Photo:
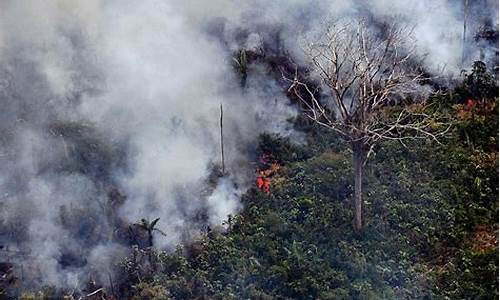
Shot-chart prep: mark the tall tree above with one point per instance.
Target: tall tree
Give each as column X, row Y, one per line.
column 367, row 89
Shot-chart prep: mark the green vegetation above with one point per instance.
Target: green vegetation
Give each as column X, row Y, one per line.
column 431, row 222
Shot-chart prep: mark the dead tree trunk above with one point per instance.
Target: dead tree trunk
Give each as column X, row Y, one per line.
column 464, row 38
column 358, row 160
column 222, row 139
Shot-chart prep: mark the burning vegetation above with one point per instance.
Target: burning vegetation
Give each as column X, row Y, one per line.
column 268, row 168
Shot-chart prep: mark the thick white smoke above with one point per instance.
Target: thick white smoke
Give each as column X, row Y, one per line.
column 99, row 95
column 437, row 24
column 148, row 81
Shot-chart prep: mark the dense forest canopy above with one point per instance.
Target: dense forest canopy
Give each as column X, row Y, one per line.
column 230, row 149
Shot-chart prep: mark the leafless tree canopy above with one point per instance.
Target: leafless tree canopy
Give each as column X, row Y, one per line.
column 364, row 76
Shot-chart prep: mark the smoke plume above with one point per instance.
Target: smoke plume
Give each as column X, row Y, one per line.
column 110, row 113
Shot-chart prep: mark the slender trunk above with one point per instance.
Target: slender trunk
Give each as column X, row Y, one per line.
column 150, row 238
column 111, row 284
column 150, row 249
column 222, row 139
column 358, row 164
column 464, row 38
column 243, row 68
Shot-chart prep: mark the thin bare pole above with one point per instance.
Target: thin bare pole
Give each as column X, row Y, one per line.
column 222, row 139
column 464, row 38
column 111, row 284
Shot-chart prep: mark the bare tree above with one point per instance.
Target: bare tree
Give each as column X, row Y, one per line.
column 367, row 89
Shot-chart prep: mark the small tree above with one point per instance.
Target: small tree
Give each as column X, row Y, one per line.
column 150, row 228
column 367, row 91
column 479, row 84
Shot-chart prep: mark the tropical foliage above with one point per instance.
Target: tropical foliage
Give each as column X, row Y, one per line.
column 431, row 229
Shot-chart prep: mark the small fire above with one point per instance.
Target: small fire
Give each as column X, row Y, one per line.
column 263, row 183
column 264, row 175
column 471, row 103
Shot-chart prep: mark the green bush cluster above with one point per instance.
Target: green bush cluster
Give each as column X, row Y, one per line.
column 424, row 206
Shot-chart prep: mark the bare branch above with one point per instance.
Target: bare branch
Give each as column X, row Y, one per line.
column 363, row 78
